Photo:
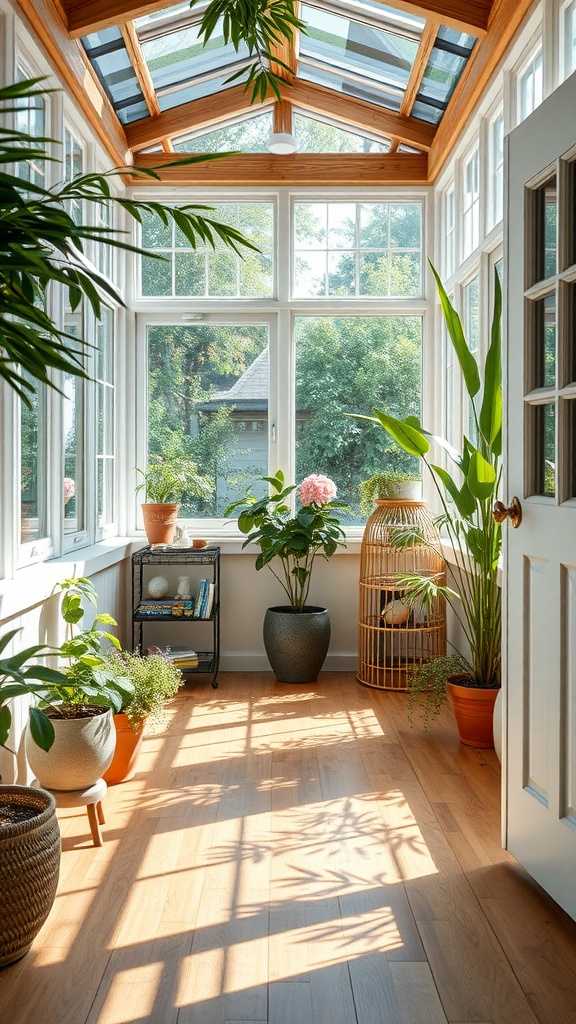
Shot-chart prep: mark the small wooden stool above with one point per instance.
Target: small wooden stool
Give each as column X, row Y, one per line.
column 91, row 798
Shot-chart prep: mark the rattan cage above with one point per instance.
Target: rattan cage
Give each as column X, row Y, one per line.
column 400, row 538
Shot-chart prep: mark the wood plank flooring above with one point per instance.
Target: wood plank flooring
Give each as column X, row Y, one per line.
column 297, row 855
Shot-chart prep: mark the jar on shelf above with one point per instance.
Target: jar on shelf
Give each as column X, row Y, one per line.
column 397, row 629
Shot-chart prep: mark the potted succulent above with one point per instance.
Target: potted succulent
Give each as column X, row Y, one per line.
column 165, row 481
column 155, row 681
column 297, row 635
column 70, row 738
column 29, row 832
column 389, row 485
column 467, row 497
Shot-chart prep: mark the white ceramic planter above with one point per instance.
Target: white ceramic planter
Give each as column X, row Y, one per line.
column 83, row 749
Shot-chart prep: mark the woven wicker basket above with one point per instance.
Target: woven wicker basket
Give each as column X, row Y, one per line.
column 29, row 869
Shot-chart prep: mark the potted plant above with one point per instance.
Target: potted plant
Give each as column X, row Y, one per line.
column 155, row 681
column 467, row 498
column 165, row 482
column 388, row 485
column 297, row 635
column 70, row 739
column 29, row 832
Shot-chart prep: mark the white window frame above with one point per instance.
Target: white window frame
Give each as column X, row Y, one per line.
column 521, row 74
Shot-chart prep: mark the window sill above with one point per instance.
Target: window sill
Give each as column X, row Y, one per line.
column 35, row 583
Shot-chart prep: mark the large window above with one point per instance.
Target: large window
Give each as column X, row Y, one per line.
column 346, row 249
column 33, row 474
column 105, row 421
column 529, row 86
column 206, row 272
column 471, row 203
column 351, row 364
column 495, row 168
column 208, row 397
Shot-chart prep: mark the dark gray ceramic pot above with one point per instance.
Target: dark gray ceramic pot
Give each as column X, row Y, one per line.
column 296, row 642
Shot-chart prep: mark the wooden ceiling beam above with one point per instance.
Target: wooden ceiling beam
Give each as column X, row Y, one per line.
column 299, row 169
column 471, row 16
column 134, row 51
column 507, row 18
column 201, row 113
column 74, row 69
column 86, row 16
column 362, row 115
column 419, row 67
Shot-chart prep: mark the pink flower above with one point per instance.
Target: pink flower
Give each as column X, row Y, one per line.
column 317, row 490
column 69, row 489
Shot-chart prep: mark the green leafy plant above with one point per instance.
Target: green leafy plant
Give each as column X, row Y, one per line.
column 167, row 480
column 86, row 680
column 381, row 485
column 427, row 685
column 155, row 681
column 467, row 494
column 294, row 539
column 264, row 26
column 41, row 245
column 21, row 676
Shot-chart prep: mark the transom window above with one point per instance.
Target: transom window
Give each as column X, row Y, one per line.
column 357, row 249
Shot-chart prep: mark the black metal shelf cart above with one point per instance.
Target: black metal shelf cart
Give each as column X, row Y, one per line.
column 147, row 563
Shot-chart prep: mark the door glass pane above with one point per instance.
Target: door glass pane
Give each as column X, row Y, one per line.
column 543, row 361
column 543, row 251
column 208, row 399
column 569, row 407
column 352, row 364
column 550, row 224
column 543, row 448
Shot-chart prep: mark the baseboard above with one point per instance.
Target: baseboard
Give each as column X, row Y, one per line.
column 246, row 661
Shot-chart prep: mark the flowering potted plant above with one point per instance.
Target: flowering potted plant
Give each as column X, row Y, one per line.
column 296, row 636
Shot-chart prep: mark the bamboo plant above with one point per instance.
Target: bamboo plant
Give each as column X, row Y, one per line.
column 467, row 494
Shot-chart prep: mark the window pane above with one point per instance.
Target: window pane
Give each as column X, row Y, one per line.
column 33, row 518
column 74, row 441
column 382, row 243
column 248, row 136
column 30, row 118
column 207, row 272
column 105, row 418
column 543, row 360
column 569, row 38
column 320, row 137
column 471, row 204
column 543, row 448
column 208, row 397
column 73, row 165
column 350, row 365
column 496, row 156
column 530, row 87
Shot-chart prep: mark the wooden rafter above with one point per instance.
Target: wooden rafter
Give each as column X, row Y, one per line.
column 300, row 169
column 283, row 117
column 471, row 16
column 201, row 113
column 86, row 16
column 140, row 66
column 74, row 69
column 507, row 18
column 362, row 115
column 419, row 67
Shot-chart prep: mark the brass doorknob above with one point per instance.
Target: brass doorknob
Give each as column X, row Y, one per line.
column 514, row 513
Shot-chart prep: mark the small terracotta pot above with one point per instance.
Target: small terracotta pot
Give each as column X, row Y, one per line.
column 160, row 522
column 128, row 743
column 473, row 708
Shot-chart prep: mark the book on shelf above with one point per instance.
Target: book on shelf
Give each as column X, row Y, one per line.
column 182, row 656
column 205, row 600
column 175, row 608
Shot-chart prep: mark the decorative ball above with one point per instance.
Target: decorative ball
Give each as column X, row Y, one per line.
column 395, row 613
column 158, row 587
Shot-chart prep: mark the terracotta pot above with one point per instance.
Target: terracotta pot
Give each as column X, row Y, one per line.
column 81, row 752
column 128, row 743
column 160, row 522
column 473, row 708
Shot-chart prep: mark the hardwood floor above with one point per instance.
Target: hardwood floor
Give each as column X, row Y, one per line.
column 297, row 855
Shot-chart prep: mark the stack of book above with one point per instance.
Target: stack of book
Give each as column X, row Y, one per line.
column 182, row 657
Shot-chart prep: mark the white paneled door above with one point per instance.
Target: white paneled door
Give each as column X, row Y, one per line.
column 540, row 565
